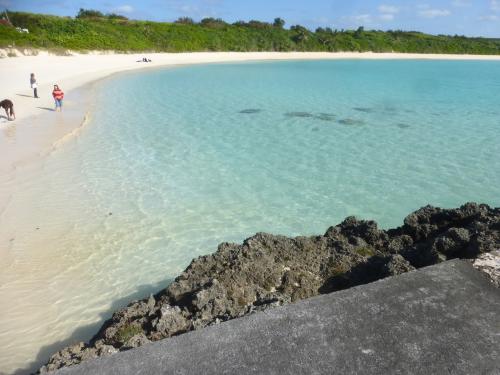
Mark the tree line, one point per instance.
(94, 30)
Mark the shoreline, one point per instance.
(94, 67)
(61, 132)
(38, 131)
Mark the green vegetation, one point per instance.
(365, 251)
(89, 13)
(92, 30)
(128, 331)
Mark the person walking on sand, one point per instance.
(9, 109)
(34, 85)
(58, 95)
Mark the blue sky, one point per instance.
(468, 17)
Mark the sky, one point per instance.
(462, 17)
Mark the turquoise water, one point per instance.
(322, 140)
(175, 161)
(171, 154)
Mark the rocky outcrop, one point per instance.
(489, 264)
(267, 271)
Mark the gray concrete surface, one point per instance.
(443, 319)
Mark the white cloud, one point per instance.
(461, 3)
(387, 17)
(433, 13)
(491, 17)
(387, 12)
(372, 20)
(123, 9)
(367, 18)
(495, 5)
(388, 9)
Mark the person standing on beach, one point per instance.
(58, 95)
(34, 85)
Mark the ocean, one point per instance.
(174, 161)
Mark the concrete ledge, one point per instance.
(443, 319)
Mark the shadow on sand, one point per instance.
(26, 96)
(87, 333)
(47, 109)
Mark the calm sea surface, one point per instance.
(175, 161)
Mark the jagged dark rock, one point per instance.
(268, 270)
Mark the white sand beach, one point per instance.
(24, 145)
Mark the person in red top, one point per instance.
(58, 95)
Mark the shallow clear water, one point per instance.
(175, 161)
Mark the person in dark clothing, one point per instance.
(34, 85)
(9, 109)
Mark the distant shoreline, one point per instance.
(77, 69)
